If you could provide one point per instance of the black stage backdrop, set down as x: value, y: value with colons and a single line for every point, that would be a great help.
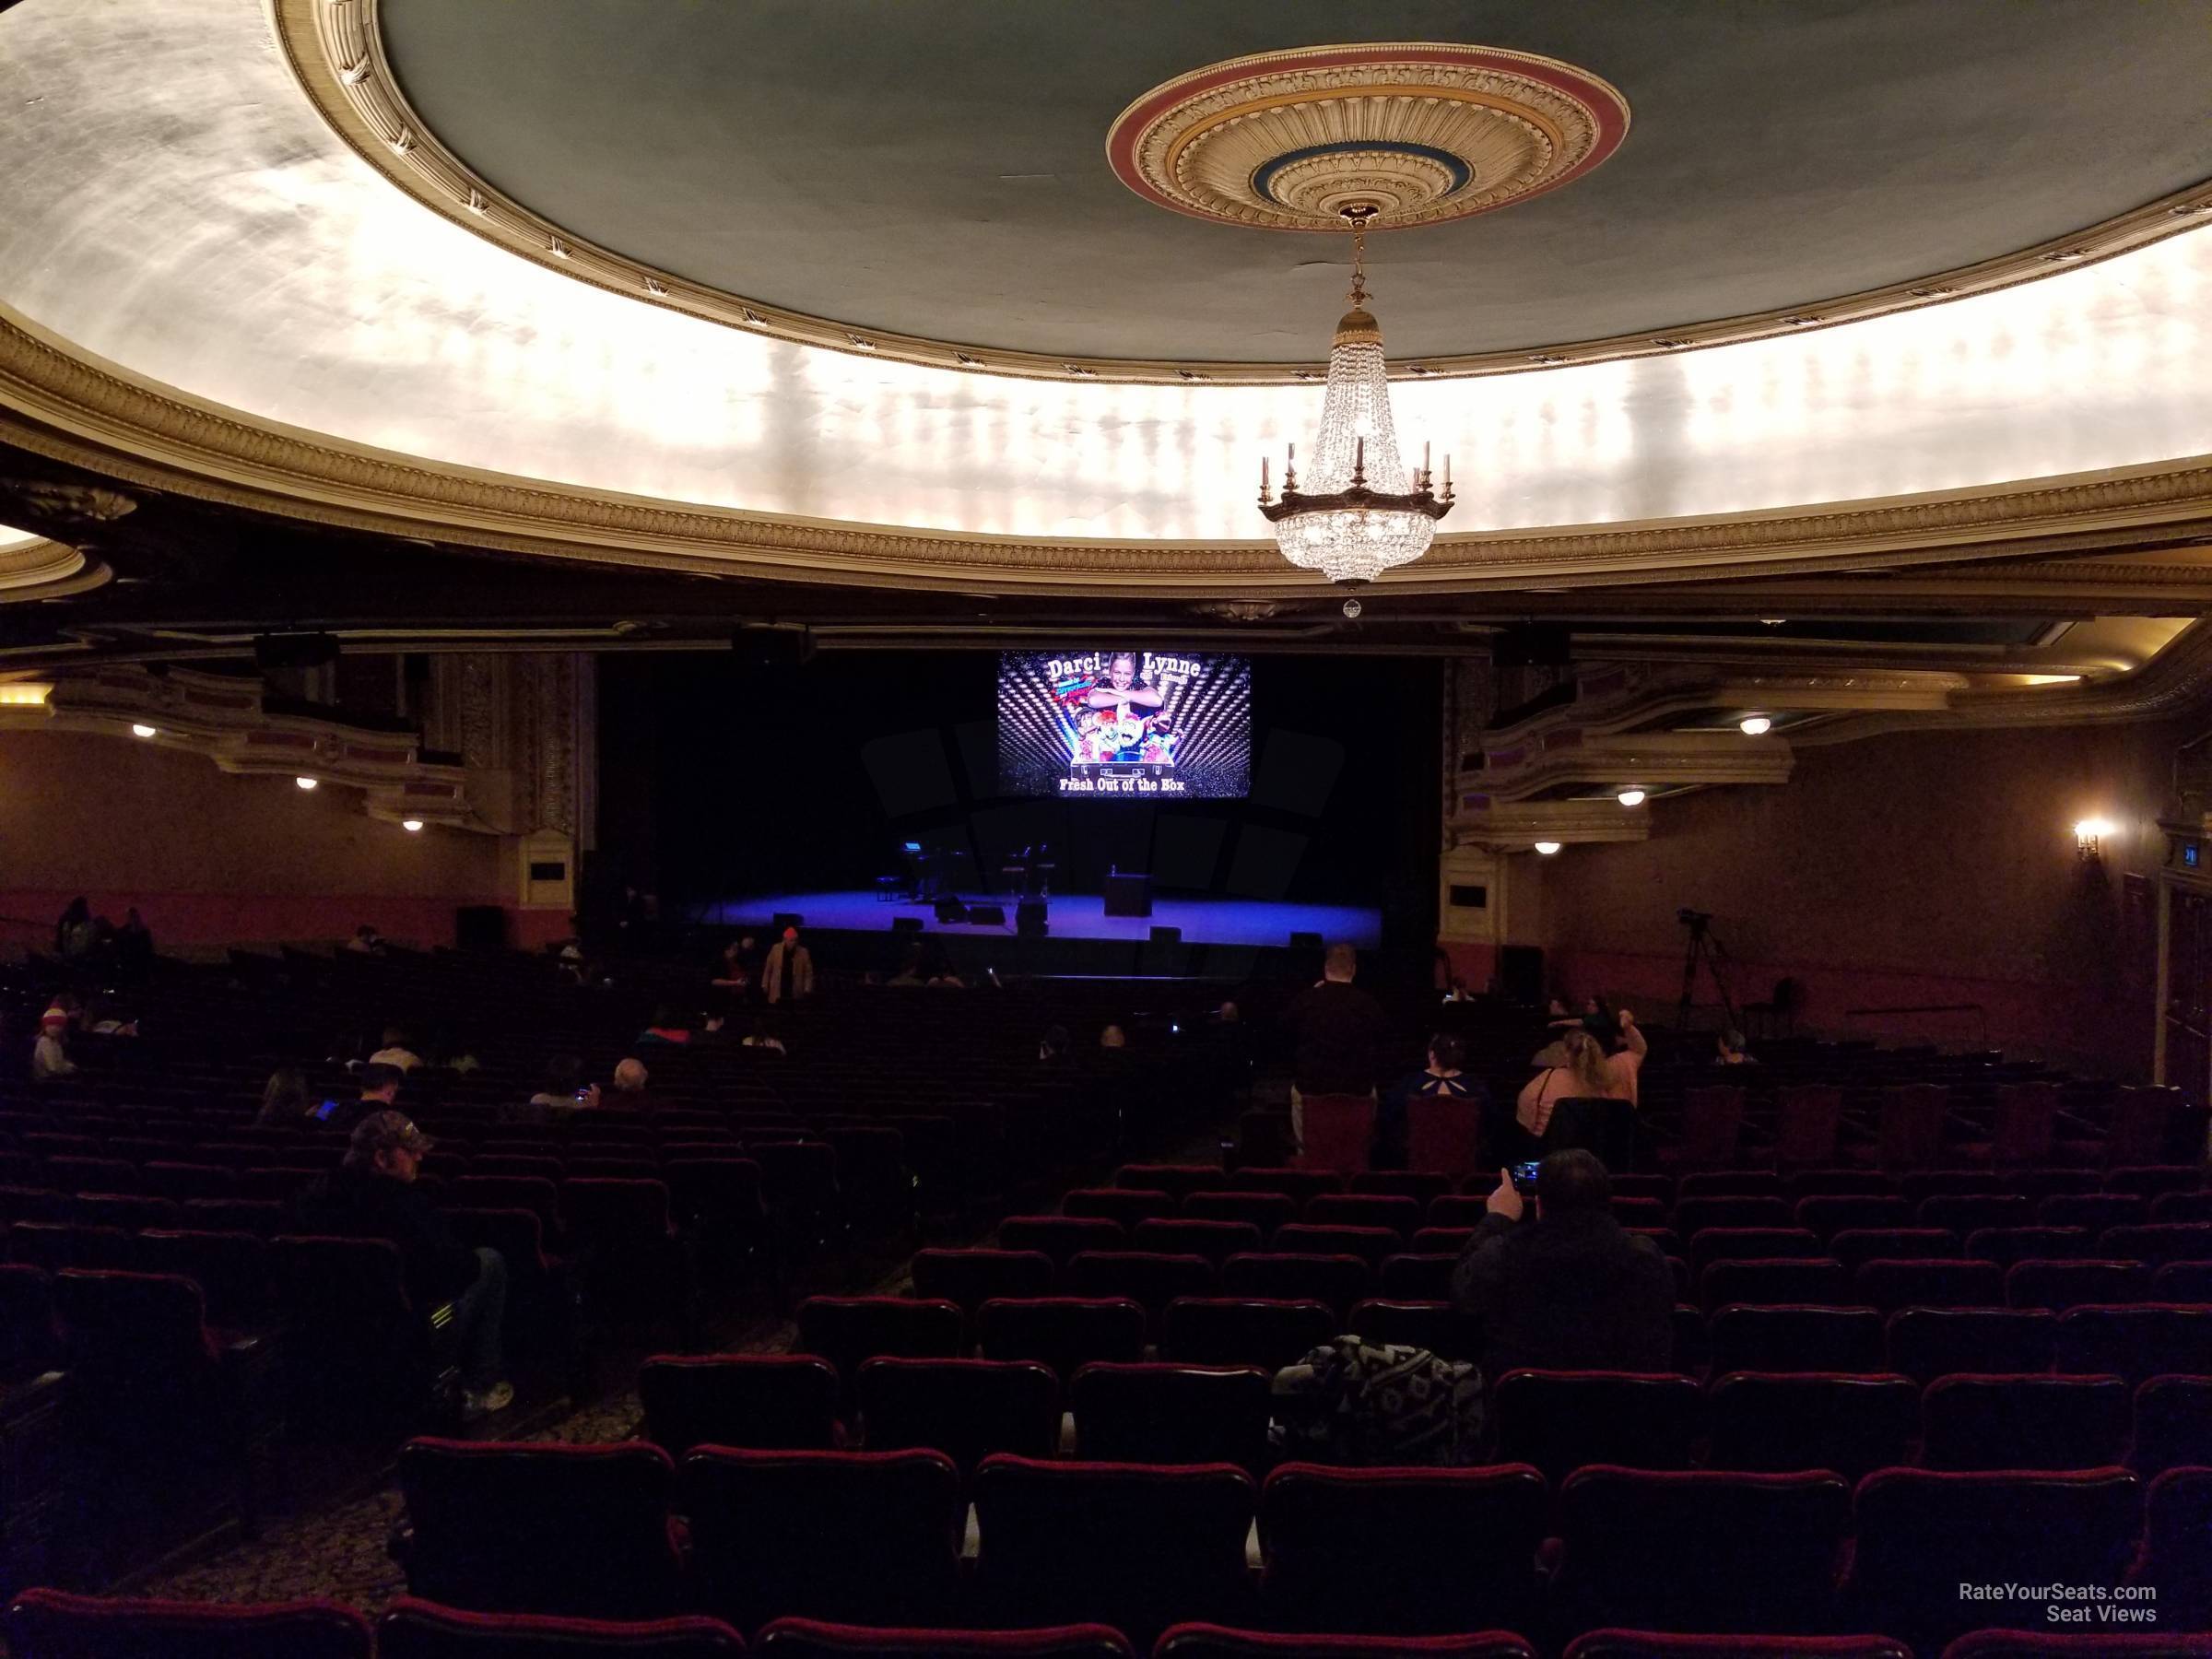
x: 721, y: 780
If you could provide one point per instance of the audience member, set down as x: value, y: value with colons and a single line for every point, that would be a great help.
x: 1571, y: 1291
x: 760, y: 1037
x: 564, y: 1094
x: 1338, y: 1031
x: 740, y: 968
x: 664, y: 1028
x: 1443, y: 1078
x: 73, y: 934
x: 789, y: 971
x: 50, y: 1054
x: 1584, y: 1072
x: 631, y: 1077
x: 380, y: 1092
x: 366, y: 941
x: 1728, y: 1050
x: 373, y: 1194
x: 285, y: 1101
x: 1113, y: 1037
x: 395, y: 1051
x: 1052, y: 1048
x: 134, y: 947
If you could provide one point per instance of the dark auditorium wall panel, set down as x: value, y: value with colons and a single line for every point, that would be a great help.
x: 1914, y: 868
x: 208, y: 857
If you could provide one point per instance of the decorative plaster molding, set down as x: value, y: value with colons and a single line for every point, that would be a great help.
x: 334, y: 50
x: 71, y: 407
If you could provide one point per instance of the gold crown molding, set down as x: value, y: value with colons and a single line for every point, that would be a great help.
x: 334, y: 49
x: 73, y: 408
x: 46, y: 569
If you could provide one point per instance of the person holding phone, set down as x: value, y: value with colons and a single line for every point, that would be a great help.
x: 1567, y: 1289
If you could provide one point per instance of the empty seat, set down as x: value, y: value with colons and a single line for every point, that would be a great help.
x: 819, y: 1639
x: 1558, y: 1421
x: 1370, y: 1244
x: 1441, y: 1241
x: 55, y: 1245
x: 91, y: 1175
x: 1927, y: 1343
x: 1994, y: 1422
x: 1829, y: 1214
x: 1468, y: 1209
x: 132, y: 1212
x: 1265, y: 1211
x: 1133, y: 1545
x: 965, y: 1408
x: 261, y: 1217
x: 1713, y: 1120
x: 1196, y: 1640
x: 235, y: 1271
x: 54, y: 1624
x: 2005, y: 1245
x: 1065, y: 1333
x: 1418, y: 1277
x: 1424, y: 1186
x: 2148, y: 1181
x: 2150, y: 1339
x: 1061, y: 1237
x: 2182, y: 1282
x: 1921, y: 1533
x: 1796, y: 1339
x: 2177, y: 1523
x: 1822, y: 1183
x: 1776, y: 1421
x: 873, y: 1536
x: 1855, y: 1246
x: 1125, y: 1204
x: 1753, y: 1244
x: 1400, y: 1551
x: 1639, y: 1550
x: 1443, y: 1137
x: 534, y: 1193
x: 772, y: 1401
x: 1334, y: 1281
x: 413, y: 1629
x: 1298, y: 1184
x: 1228, y: 1330
x: 2094, y: 1211
x: 1151, y: 1282
x: 848, y: 1330
x: 165, y: 1179
x: 357, y: 1350
x: 1174, y: 1180
x: 1639, y: 1212
x: 1398, y: 1214
x: 1888, y: 1284
x: 971, y: 1278
x: 1216, y: 1241
x: 1337, y: 1132
x: 1693, y: 1214
x: 1649, y: 1644
x: 502, y: 1527
x: 2072, y: 1284
x: 2158, y: 1243
x: 1816, y: 1280
x: 31, y: 1339
x: 1909, y: 1125
x: 1171, y: 1414
x: 2169, y: 1209
x: 1968, y: 1212
x: 2173, y: 1424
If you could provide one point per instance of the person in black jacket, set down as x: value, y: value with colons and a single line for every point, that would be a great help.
x: 1569, y: 1290
x: 372, y: 1195
x: 1338, y: 1031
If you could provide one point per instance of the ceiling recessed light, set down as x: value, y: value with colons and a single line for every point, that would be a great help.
x: 1755, y: 726
x: 140, y: 730
x: 1631, y: 797
x: 412, y: 825
x: 305, y: 782
x: 1548, y: 848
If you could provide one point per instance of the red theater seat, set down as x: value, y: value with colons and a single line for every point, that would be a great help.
x: 504, y: 1527
x: 2104, y: 1644
x: 1418, y: 1277
x: 1265, y: 1211
x: 769, y: 1401
x: 1648, y: 1644
x: 965, y: 1408
x: 1186, y: 1235
x: 1060, y: 1237
x: 873, y: 1536
x: 1639, y: 1550
x: 1370, y: 1244
x: 1230, y: 1330
x: 2177, y: 1547
x: 2010, y: 1245
x: 1819, y: 1281
x: 1175, y: 1180
x: 1438, y: 1326
x: 848, y: 1330
x: 1996, y: 1422
x: 2173, y: 1424
x: 2059, y: 1285
x: 1334, y: 1281
x: 1754, y: 1244
x: 1065, y: 1333
x: 1397, y: 1215
x: 1135, y: 1545
x: 1778, y: 1421
x: 2151, y: 1339
x: 1855, y: 1246
x: 54, y: 1624
x: 1214, y: 1641
x: 1927, y: 1343
x: 1796, y: 1339
x: 1930, y: 1284
x: 1829, y: 1214
x: 1171, y: 1414
x: 1560, y: 1420
x: 1296, y: 1184
x: 1122, y: 1204
x: 1400, y: 1551
x: 1149, y: 1280
x: 971, y: 1278
x: 413, y: 1629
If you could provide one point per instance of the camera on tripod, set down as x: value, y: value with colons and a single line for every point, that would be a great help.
x: 1696, y: 921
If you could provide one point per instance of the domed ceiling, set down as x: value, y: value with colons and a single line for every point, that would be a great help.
x: 937, y: 167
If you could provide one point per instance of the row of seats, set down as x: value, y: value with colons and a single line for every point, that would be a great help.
x: 1126, y: 1410
x: 874, y: 1538
x: 45, y: 1624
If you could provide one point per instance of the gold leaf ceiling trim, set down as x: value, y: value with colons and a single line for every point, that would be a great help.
x: 73, y: 408
x: 334, y: 49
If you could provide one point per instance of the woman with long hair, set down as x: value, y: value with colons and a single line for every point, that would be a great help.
x: 1584, y: 1071
x: 284, y: 1099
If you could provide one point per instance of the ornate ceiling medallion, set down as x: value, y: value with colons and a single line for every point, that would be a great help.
x: 1424, y: 132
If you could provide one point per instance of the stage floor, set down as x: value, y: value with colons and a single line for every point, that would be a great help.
x: 1078, y: 917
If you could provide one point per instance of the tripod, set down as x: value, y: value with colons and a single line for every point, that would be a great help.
x: 1704, y: 948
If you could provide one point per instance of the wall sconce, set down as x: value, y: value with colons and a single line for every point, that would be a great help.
x: 2088, y: 835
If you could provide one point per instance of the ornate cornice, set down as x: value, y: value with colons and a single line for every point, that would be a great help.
x: 334, y: 50
x: 71, y: 407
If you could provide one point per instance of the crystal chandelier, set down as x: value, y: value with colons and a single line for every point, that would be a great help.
x: 1338, y: 525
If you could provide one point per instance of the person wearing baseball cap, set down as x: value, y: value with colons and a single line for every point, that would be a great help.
x: 788, y: 974
x: 50, y: 1054
x: 372, y: 1195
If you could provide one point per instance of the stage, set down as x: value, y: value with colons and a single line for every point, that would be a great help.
x: 1234, y: 922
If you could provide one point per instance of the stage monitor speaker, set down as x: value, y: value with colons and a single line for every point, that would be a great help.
x: 481, y: 927
x: 783, y: 919
x: 1028, y: 918
x: 1521, y: 973
x: 986, y: 915
x: 1167, y: 936
x: 951, y: 910
x: 1305, y: 941
x: 906, y: 924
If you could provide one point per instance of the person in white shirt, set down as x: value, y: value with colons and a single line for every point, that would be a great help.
x: 395, y: 1051
x: 49, y: 1055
